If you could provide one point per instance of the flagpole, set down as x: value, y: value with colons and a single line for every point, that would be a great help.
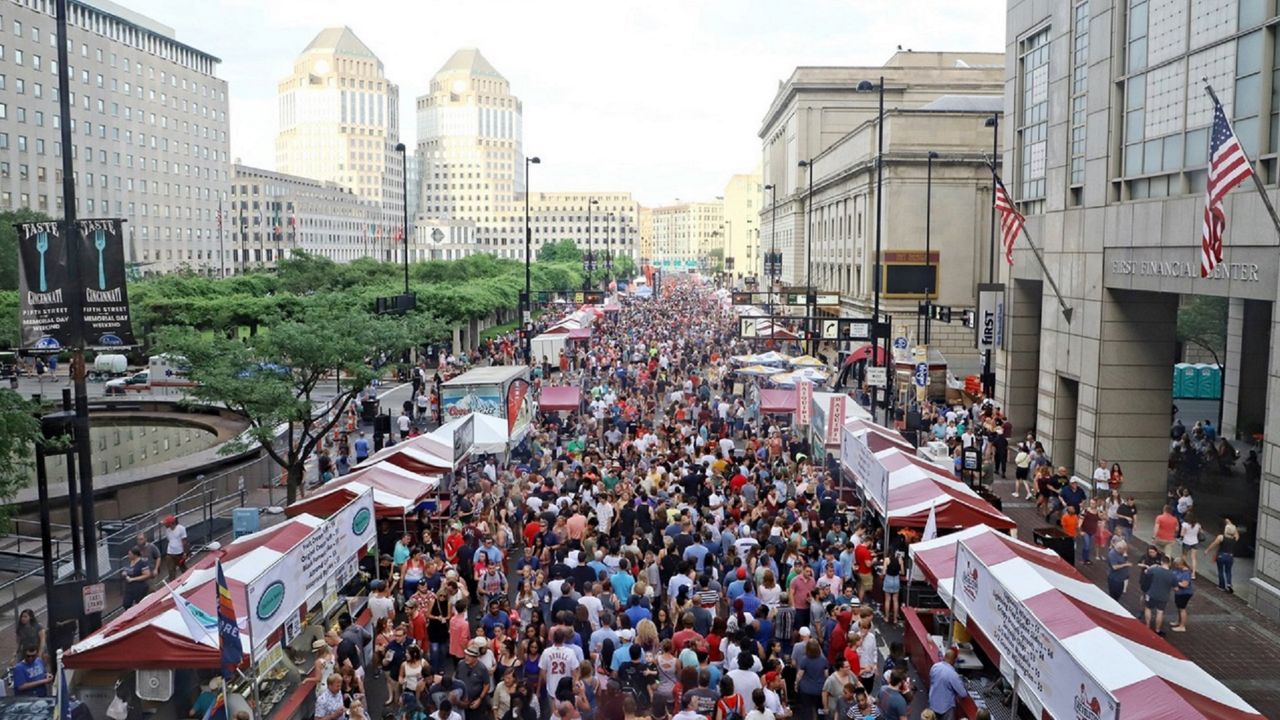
x: 1066, y: 310
x: 1257, y: 181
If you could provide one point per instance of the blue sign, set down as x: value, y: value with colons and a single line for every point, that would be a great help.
x: 900, y: 343
x: 922, y: 375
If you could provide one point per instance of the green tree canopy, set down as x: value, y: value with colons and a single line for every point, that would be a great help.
x: 19, y: 432
x: 272, y: 378
x: 1202, y: 321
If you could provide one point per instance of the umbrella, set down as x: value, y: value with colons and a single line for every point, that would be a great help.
x: 807, y: 361
x: 758, y: 370
x: 773, y: 357
x: 791, y: 378
x: 743, y: 359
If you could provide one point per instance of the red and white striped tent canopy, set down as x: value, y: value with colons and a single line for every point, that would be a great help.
x: 1149, y: 678
x: 153, y: 633
x: 424, y: 454
x: 396, y: 492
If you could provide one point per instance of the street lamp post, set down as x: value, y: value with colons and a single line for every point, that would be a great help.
x: 993, y: 122
x: 771, y: 262
x: 809, y: 294
x: 928, y: 260
x: 527, y: 310
x: 867, y: 86
x: 590, y: 257
x: 404, y: 188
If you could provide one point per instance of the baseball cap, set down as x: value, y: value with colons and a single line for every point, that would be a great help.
x: 805, y: 632
x: 770, y: 677
x: 742, y: 573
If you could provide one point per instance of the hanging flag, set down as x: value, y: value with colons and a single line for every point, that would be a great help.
x: 1011, y: 221
x: 399, y: 235
x: 228, y: 631
x: 63, y: 709
x: 931, y: 525
x: 293, y: 219
x: 201, y: 625
x: 1228, y: 167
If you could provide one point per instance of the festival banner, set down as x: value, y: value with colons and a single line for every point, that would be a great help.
x: 861, y: 462
x: 835, y: 419
x: 519, y: 407
x: 1042, y: 665
x: 804, y: 403
x: 44, y: 312
x: 106, y: 297
x: 355, y: 525
x: 231, y: 649
x: 464, y: 437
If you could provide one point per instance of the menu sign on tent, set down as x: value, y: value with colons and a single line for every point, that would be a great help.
x: 1041, y: 667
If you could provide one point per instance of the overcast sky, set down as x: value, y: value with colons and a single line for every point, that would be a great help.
x: 663, y: 98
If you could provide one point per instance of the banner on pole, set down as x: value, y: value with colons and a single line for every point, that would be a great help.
x: 44, y: 312
x: 804, y: 403
x: 990, y: 319
x: 106, y: 297
x: 45, y: 291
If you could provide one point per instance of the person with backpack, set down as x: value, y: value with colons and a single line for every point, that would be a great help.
x: 730, y: 706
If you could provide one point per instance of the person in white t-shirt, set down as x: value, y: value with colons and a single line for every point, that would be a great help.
x: 557, y: 662
x: 175, y: 551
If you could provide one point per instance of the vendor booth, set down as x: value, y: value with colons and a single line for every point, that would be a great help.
x: 1021, y: 614
x: 397, y: 492
x: 488, y: 435
x: 560, y: 398
x: 778, y: 401
x: 905, y: 489
x: 827, y: 417
x: 289, y: 583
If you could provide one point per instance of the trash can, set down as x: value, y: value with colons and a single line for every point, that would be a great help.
x: 244, y: 521
x: 1057, y: 540
x: 368, y: 409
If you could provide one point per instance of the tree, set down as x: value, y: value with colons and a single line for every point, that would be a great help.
x: 563, y: 251
x: 19, y: 433
x: 1202, y: 321
x: 272, y: 378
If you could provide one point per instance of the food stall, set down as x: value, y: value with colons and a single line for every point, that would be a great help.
x: 828, y: 414
x: 880, y: 467
x: 560, y: 398
x: 1030, y: 620
x: 290, y: 581
x: 499, y: 391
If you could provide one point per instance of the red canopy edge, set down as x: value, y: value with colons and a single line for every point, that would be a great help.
x: 560, y: 398
x: 777, y: 400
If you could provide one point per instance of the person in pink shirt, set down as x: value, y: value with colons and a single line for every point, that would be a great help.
x: 459, y: 631
x: 801, y: 587
x: 576, y: 526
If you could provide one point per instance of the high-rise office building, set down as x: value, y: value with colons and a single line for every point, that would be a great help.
x: 686, y: 234
x: 340, y: 122
x: 150, y: 122
x: 470, y: 159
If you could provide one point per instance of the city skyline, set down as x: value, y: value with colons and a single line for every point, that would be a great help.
x: 644, y: 102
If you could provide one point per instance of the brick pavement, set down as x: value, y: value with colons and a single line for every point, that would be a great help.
x: 1226, y: 637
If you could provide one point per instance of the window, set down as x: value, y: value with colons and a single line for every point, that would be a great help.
x: 1248, y: 95
x: 1079, y: 90
x: 1033, y: 116
x: 1136, y: 47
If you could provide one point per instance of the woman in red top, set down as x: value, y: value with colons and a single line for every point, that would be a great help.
x: 713, y: 640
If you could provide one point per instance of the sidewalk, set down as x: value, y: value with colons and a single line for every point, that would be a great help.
x: 1224, y: 636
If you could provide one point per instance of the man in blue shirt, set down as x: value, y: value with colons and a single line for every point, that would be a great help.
x: 361, y: 446
x: 622, y: 582
x: 30, y: 677
x: 945, y: 686
x: 637, y: 612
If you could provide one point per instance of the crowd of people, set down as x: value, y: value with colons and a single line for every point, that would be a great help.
x: 668, y: 552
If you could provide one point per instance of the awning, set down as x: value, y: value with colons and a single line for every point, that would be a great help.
x: 580, y: 334
x: 396, y: 492
x: 864, y: 352
x: 1088, y: 639
x: 489, y: 433
x: 424, y: 454
x: 557, y: 398
x: 153, y: 633
x: 777, y: 401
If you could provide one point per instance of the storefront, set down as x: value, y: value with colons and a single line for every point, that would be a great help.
x: 291, y: 581
x: 1020, y: 614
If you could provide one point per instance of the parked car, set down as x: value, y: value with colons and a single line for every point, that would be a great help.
x: 137, y: 382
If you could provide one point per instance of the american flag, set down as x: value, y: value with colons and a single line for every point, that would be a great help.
x: 1011, y: 220
x: 1228, y: 167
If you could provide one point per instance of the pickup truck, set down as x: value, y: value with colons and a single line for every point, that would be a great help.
x: 137, y: 382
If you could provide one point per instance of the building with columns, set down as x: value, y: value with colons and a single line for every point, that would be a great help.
x: 340, y: 122
x: 936, y: 102
x: 272, y: 215
x: 1107, y: 156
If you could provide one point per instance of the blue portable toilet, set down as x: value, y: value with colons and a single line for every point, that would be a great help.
x: 1190, y: 380
x: 244, y: 521
x: 1210, y: 381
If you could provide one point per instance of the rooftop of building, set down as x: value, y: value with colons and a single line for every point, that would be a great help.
x: 340, y: 41
x: 967, y: 103
x: 142, y: 22
x: 469, y: 61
